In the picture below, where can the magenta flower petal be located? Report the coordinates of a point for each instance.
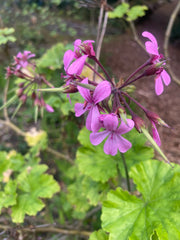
(124, 128)
(151, 48)
(111, 145)
(155, 134)
(85, 93)
(159, 88)
(27, 52)
(151, 37)
(95, 123)
(77, 43)
(77, 66)
(49, 108)
(97, 137)
(102, 91)
(88, 41)
(111, 122)
(19, 55)
(67, 59)
(89, 119)
(166, 78)
(123, 144)
(79, 109)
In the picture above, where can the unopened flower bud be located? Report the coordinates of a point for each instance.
(23, 98)
(21, 84)
(19, 92)
(154, 117)
(37, 102)
(33, 95)
(152, 70)
(138, 123)
(70, 89)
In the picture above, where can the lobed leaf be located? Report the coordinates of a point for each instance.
(119, 11)
(125, 216)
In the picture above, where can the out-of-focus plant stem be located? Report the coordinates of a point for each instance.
(9, 124)
(50, 229)
(166, 40)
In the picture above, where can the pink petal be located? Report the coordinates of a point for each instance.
(31, 55)
(77, 43)
(26, 52)
(159, 88)
(67, 59)
(49, 108)
(155, 134)
(151, 37)
(111, 122)
(151, 48)
(102, 91)
(124, 128)
(95, 123)
(77, 66)
(89, 41)
(123, 144)
(111, 145)
(88, 120)
(79, 109)
(166, 78)
(85, 93)
(97, 137)
(19, 55)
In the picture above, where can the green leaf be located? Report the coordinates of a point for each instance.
(25, 205)
(77, 198)
(119, 11)
(34, 185)
(99, 235)
(127, 217)
(53, 57)
(136, 11)
(8, 196)
(95, 192)
(4, 164)
(92, 161)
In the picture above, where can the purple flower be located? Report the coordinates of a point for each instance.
(162, 75)
(21, 60)
(86, 47)
(114, 141)
(102, 91)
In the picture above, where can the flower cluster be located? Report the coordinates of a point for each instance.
(26, 70)
(107, 102)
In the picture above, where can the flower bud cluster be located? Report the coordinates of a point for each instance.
(31, 81)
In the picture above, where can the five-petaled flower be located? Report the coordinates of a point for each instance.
(114, 141)
(161, 75)
(102, 91)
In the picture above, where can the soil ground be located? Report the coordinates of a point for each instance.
(124, 55)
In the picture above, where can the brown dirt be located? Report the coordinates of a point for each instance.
(124, 55)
